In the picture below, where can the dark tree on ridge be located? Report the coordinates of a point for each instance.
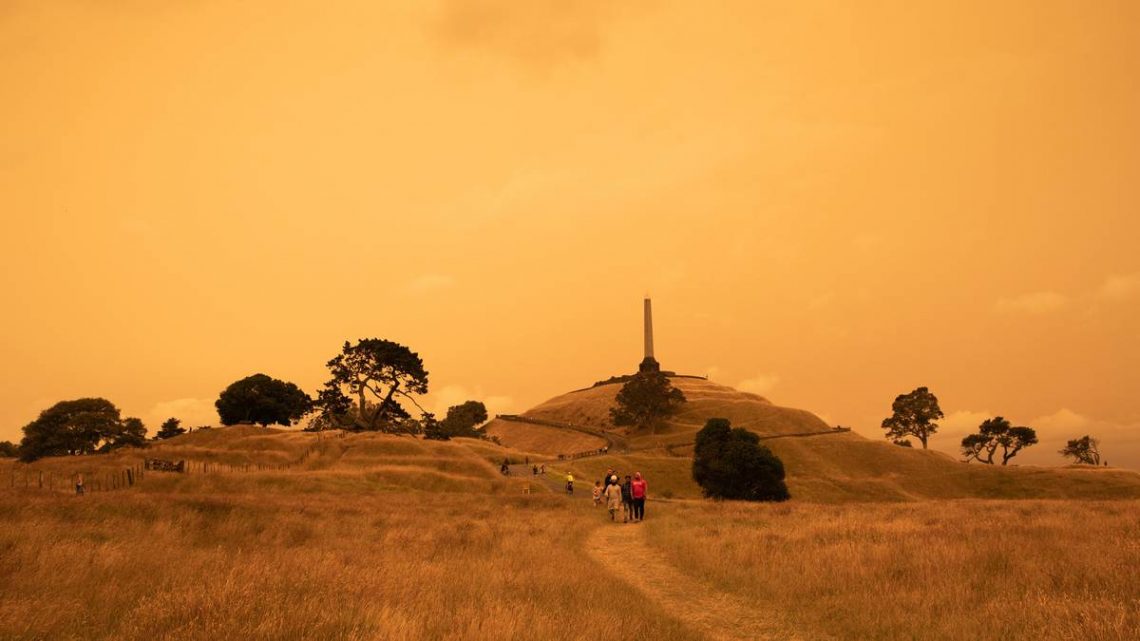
(170, 428)
(375, 372)
(914, 414)
(1084, 450)
(8, 449)
(645, 400)
(263, 400)
(81, 426)
(994, 433)
(461, 420)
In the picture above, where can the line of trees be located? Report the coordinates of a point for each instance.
(916, 414)
(369, 380)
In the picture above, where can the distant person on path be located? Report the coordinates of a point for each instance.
(613, 498)
(638, 488)
(79, 484)
(627, 498)
(535, 473)
(570, 483)
(542, 469)
(597, 493)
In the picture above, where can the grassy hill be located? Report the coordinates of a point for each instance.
(298, 461)
(289, 535)
(827, 466)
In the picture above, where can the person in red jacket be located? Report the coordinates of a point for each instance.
(638, 489)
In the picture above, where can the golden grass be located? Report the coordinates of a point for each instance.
(947, 570)
(339, 563)
(551, 441)
(380, 537)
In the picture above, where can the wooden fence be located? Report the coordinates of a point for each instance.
(75, 482)
(23, 477)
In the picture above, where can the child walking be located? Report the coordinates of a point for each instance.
(597, 493)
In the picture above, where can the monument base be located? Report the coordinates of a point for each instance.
(650, 364)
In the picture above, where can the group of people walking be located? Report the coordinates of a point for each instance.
(627, 496)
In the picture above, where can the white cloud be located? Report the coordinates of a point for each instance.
(761, 384)
(191, 411)
(444, 397)
(1117, 287)
(962, 422)
(430, 283)
(1062, 419)
(1034, 303)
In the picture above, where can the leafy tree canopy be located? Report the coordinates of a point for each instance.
(462, 420)
(994, 433)
(263, 400)
(432, 429)
(1084, 450)
(645, 400)
(376, 372)
(8, 449)
(731, 463)
(914, 414)
(170, 428)
(81, 426)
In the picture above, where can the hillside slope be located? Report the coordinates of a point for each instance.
(822, 464)
(252, 459)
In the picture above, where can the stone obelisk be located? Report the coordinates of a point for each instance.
(649, 363)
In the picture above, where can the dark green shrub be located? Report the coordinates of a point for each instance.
(732, 464)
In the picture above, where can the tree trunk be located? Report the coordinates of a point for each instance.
(385, 404)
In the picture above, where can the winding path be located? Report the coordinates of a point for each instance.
(625, 553)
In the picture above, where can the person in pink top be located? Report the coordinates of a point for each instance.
(638, 489)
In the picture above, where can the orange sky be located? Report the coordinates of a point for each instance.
(831, 203)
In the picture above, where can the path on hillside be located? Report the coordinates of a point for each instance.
(624, 552)
(555, 481)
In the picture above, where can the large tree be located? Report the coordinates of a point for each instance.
(170, 428)
(8, 449)
(81, 426)
(730, 463)
(1084, 450)
(461, 420)
(914, 414)
(376, 372)
(994, 433)
(263, 400)
(645, 400)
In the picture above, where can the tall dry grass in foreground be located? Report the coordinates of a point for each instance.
(152, 564)
(947, 570)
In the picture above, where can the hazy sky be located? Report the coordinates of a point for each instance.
(830, 203)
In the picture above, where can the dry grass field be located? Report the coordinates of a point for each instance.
(371, 538)
(375, 537)
(945, 570)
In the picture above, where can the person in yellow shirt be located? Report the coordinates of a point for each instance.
(570, 483)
